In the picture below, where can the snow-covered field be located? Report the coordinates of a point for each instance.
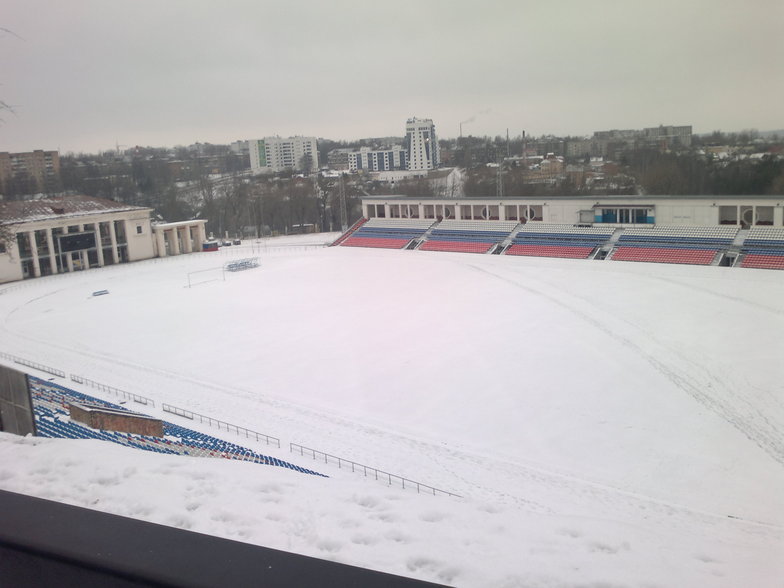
(605, 423)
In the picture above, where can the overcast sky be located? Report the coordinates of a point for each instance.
(84, 75)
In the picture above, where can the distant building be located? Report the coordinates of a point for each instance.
(668, 137)
(239, 147)
(613, 143)
(366, 159)
(29, 173)
(277, 154)
(421, 144)
(337, 159)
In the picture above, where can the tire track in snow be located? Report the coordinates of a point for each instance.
(756, 426)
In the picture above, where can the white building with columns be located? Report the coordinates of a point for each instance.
(65, 234)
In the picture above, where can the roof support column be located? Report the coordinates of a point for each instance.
(161, 240)
(99, 244)
(113, 239)
(50, 248)
(201, 236)
(85, 259)
(34, 251)
(69, 255)
(187, 240)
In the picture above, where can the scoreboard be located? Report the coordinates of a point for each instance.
(76, 242)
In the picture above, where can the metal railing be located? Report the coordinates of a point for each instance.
(112, 390)
(38, 366)
(368, 470)
(187, 414)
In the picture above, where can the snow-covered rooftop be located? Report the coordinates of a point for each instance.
(23, 211)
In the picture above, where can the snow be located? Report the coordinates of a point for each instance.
(604, 423)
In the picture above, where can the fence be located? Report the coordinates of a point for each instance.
(220, 424)
(378, 474)
(38, 366)
(116, 391)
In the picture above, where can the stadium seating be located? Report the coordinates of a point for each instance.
(554, 240)
(50, 407)
(763, 248)
(349, 232)
(665, 255)
(467, 236)
(673, 244)
(678, 244)
(565, 251)
(387, 233)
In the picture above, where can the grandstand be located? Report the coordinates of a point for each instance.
(387, 234)
(672, 244)
(728, 231)
(467, 236)
(764, 248)
(545, 240)
(50, 409)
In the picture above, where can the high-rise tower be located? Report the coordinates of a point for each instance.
(421, 144)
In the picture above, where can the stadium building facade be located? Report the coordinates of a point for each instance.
(742, 211)
(65, 234)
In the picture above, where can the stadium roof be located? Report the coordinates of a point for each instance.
(23, 211)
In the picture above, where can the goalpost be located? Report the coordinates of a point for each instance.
(204, 276)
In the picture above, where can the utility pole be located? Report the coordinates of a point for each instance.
(343, 212)
(499, 180)
(525, 150)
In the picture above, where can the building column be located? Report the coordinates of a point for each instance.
(50, 248)
(83, 253)
(202, 236)
(175, 244)
(113, 239)
(34, 249)
(187, 242)
(161, 240)
(99, 244)
(501, 212)
(69, 255)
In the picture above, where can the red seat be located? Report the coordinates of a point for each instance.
(571, 252)
(762, 261)
(456, 246)
(375, 242)
(665, 255)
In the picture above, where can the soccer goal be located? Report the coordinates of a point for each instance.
(213, 274)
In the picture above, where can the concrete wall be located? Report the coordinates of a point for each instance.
(111, 420)
(140, 244)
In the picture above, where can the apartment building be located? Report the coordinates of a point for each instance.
(30, 172)
(276, 154)
(367, 159)
(421, 144)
